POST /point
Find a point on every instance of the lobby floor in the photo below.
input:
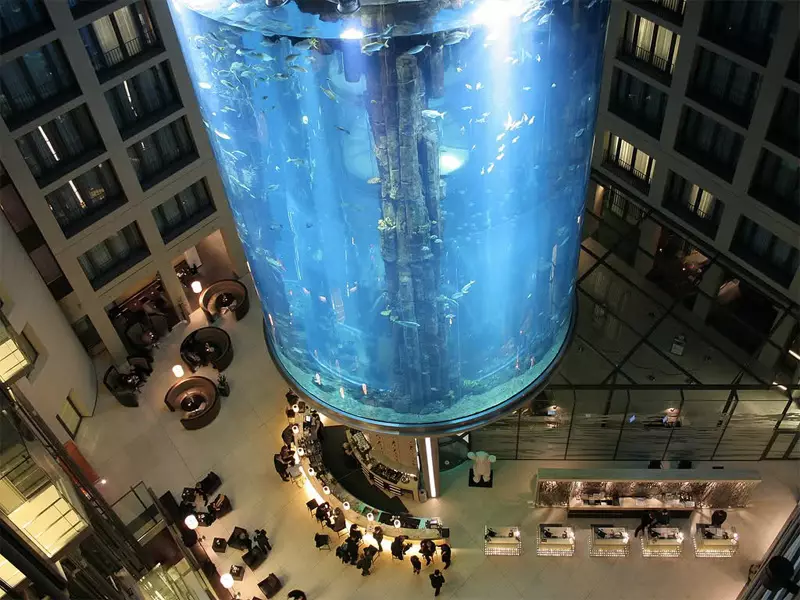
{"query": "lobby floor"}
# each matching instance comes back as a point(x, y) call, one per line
point(148, 443)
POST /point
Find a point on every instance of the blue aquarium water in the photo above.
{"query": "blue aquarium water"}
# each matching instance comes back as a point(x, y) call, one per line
point(408, 182)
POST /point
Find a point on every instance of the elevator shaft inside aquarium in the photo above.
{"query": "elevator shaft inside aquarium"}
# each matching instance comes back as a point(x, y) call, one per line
point(408, 183)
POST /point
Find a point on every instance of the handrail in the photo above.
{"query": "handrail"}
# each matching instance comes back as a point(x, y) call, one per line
point(122, 53)
point(628, 48)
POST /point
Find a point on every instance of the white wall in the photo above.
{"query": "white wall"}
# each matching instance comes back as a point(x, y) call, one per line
point(63, 367)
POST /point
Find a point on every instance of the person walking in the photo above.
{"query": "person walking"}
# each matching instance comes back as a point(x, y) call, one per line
point(364, 563)
point(647, 520)
point(416, 564)
point(377, 535)
point(437, 581)
point(427, 548)
point(263, 541)
point(445, 550)
point(397, 547)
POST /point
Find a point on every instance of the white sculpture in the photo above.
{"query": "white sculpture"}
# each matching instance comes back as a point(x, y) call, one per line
point(482, 465)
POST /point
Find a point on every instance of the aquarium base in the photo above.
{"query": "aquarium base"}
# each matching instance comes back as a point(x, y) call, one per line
point(481, 483)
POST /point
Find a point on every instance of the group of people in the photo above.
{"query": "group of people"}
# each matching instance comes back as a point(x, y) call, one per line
point(349, 552)
point(651, 519)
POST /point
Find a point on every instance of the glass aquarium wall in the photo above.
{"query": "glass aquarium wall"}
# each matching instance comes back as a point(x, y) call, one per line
point(408, 182)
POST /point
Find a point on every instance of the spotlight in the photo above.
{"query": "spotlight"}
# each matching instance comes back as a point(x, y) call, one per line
point(348, 7)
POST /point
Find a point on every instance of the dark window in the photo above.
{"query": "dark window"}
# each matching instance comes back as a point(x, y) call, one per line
point(86, 199)
point(784, 130)
point(746, 27)
point(637, 102)
point(60, 145)
point(724, 86)
point(630, 162)
point(183, 211)
point(648, 46)
point(13, 207)
point(162, 153)
point(113, 41)
point(21, 21)
point(693, 204)
point(765, 251)
point(143, 99)
point(708, 143)
point(87, 334)
point(113, 256)
point(776, 183)
point(34, 84)
point(793, 71)
point(82, 8)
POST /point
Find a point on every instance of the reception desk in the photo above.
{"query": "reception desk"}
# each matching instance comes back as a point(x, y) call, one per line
point(714, 542)
point(502, 541)
point(662, 542)
point(608, 540)
point(554, 539)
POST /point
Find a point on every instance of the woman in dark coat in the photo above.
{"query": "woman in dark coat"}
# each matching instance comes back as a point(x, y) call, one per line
point(416, 564)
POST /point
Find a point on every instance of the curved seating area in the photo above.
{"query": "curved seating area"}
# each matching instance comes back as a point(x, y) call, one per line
point(197, 398)
point(225, 294)
point(207, 346)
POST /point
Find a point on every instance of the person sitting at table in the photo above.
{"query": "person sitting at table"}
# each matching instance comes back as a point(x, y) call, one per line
point(321, 515)
point(287, 455)
point(338, 521)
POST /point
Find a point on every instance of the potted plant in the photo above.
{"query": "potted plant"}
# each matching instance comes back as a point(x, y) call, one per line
point(223, 386)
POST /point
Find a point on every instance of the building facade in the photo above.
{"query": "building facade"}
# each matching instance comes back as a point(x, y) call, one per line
point(108, 177)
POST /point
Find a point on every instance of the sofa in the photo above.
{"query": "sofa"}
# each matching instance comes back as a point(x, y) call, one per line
point(195, 349)
point(199, 389)
point(212, 299)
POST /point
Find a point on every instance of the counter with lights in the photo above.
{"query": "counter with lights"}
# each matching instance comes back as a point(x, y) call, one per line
point(715, 542)
point(631, 492)
point(502, 541)
point(555, 540)
point(609, 540)
point(387, 475)
point(661, 541)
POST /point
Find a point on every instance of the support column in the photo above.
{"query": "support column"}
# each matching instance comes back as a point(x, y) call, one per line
point(429, 461)
point(649, 234)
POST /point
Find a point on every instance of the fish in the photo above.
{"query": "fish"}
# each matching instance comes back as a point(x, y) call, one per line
point(468, 86)
point(501, 148)
point(222, 135)
point(466, 288)
point(526, 88)
point(371, 47)
point(323, 299)
point(500, 156)
point(300, 162)
point(457, 295)
point(478, 86)
point(374, 180)
point(289, 58)
point(433, 114)
point(204, 85)
point(455, 37)
point(280, 77)
point(450, 316)
point(531, 120)
point(463, 130)
point(273, 187)
point(554, 85)
point(409, 324)
point(538, 58)
point(490, 168)
point(385, 313)
point(500, 137)
point(437, 241)
point(425, 249)
point(579, 133)
point(298, 68)
point(329, 93)
point(342, 129)
point(515, 140)
point(227, 84)
point(227, 109)
point(459, 69)
point(466, 108)
point(307, 44)
point(417, 50)
point(275, 263)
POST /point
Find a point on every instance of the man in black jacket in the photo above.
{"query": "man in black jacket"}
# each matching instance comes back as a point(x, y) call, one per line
point(445, 549)
point(437, 581)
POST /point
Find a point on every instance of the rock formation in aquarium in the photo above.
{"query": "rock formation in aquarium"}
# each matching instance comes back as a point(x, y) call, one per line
point(408, 182)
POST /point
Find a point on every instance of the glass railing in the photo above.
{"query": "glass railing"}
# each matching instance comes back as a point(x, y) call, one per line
point(642, 55)
point(138, 511)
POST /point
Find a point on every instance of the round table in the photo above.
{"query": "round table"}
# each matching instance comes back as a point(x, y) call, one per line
point(191, 402)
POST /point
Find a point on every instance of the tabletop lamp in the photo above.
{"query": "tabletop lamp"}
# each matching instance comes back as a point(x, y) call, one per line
point(191, 522)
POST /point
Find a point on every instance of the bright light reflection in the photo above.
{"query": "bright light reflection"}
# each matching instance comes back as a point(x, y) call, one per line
point(495, 14)
point(449, 163)
point(351, 33)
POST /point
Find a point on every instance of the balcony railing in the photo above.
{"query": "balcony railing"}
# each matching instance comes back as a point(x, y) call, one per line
point(628, 172)
point(22, 106)
point(118, 59)
point(706, 223)
point(130, 126)
point(731, 104)
point(671, 10)
point(119, 267)
point(92, 214)
point(656, 66)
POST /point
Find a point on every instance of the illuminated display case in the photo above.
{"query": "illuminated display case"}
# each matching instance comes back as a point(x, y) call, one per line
point(554, 539)
point(408, 181)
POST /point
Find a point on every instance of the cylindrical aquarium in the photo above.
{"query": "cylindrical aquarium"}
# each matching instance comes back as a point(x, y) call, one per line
point(408, 181)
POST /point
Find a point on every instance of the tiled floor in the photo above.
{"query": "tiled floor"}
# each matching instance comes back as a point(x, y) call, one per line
point(128, 445)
